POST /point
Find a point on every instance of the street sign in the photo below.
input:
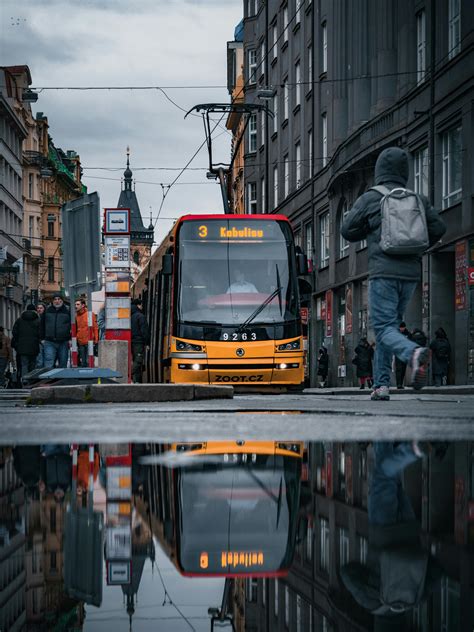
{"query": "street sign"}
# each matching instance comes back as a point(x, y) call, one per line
point(117, 252)
point(117, 221)
point(81, 244)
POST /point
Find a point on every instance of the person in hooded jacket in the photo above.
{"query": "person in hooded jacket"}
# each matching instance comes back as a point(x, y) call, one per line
point(392, 278)
point(26, 338)
point(323, 365)
point(5, 354)
point(363, 361)
point(441, 350)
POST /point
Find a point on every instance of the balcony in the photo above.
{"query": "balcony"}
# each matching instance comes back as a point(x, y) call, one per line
point(33, 157)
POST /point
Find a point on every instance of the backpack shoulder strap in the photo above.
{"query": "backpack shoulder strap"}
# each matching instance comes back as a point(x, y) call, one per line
point(383, 190)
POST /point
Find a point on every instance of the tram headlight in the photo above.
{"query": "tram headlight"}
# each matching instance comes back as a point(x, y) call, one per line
point(187, 346)
point(196, 367)
point(191, 367)
point(289, 346)
point(283, 365)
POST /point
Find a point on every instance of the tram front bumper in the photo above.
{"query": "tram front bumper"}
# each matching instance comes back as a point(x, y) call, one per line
point(288, 370)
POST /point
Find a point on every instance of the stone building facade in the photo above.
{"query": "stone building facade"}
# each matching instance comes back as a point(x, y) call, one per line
point(350, 79)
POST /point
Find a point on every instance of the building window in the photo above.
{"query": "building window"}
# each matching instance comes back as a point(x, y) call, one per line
point(299, 614)
point(298, 11)
point(30, 227)
point(298, 83)
point(252, 198)
point(50, 227)
point(421, 45)
point(324, 138)
point(324, 239)
point(262, 58)
point(275, 187)
point(50, 269)
point(343, 244)
point(420, 163)
point(52, 519)
point(298, 164)
point(454, 18)
point(310, 153)
point(262, 188)
point(309, 543)
point(252, 66)
point(285, 99)
point(253, 133)
point(324, 40)
point(30, 186)
point(287, 606)
point(275, 113)
point(452, 166)
point(308, 231)
point(276, 598)
point(251, 8)
point(343, 547)
point(363, 549)
point(53, 561)
point(286, 175)
point(310, 66)
point(274, 40)
point(263, 114)
point(285, 23)
point(324, 545)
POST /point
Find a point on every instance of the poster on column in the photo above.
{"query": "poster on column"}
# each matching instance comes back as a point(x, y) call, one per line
point(460, 300)
point(117, 252)
point(349, 308)
point(329, 314)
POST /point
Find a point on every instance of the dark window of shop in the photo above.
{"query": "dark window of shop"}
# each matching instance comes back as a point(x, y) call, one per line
point(52, 519)
point(50, 268)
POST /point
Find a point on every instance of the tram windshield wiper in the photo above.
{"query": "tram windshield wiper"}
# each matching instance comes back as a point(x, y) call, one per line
point(259, 309)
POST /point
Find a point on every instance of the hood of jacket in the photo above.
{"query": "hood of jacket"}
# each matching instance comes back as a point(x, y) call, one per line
point(392, 166)
point(29, 315)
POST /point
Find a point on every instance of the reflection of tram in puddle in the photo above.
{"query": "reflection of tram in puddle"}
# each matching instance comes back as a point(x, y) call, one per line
point(227, 508)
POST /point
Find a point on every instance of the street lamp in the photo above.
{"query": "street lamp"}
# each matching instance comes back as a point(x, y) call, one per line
point(29, 96)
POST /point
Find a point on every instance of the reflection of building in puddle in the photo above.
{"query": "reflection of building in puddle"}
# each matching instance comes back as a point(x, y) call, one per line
point(269, 412)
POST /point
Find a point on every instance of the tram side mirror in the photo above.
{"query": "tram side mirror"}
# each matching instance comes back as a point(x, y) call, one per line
point(167, 264)
point(301, 263)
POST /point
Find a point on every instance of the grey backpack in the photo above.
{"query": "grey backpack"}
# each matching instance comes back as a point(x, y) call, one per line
point(403, 229)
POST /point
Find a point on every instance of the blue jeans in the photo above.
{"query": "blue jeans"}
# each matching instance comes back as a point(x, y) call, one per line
point(82, 354)
point(56, 350)
point(388, 503)
point(40, 357)
point(388, 299)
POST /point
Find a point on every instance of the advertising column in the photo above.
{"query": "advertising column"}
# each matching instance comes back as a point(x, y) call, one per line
point(117, 277)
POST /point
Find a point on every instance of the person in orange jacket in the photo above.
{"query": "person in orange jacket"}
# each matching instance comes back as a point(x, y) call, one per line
point(83, 470)
point(82, 330)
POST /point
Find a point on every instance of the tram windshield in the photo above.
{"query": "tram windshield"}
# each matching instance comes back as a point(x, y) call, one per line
point(233, 272)
point(228, 508)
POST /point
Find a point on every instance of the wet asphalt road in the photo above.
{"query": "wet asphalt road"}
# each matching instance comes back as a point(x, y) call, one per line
point(308, 416)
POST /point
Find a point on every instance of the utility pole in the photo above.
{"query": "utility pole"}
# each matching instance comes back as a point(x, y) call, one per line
point(221, 171)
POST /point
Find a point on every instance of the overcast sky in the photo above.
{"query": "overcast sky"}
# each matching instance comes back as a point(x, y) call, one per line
point(128, 43)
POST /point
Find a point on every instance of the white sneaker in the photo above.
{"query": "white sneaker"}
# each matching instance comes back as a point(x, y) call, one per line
point(381, 393)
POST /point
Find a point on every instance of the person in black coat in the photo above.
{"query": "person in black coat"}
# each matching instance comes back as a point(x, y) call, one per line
point(323, 365)
point(418, 336)
point(57, 333)
point(56, 470)
point(140, 339)
point(26, 339)
point(363, 361)
point(441, 355)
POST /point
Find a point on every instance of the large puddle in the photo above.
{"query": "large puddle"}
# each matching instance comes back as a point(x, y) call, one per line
point(239, 535)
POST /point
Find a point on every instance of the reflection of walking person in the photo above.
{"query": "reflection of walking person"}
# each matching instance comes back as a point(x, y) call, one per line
point(441, 350)
point(323, 365)
point(140, 339)
point(392, 277)
point(399, 573)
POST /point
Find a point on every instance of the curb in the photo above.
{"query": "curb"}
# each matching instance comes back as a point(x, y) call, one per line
point(428, 390)
point(126, 393)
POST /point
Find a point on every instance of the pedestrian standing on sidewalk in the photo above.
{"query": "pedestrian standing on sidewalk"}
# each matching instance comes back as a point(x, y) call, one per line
point(323, 365)
point(392, 278)
point(400, 366)
point(441, 350)
point(40, 309)
point(5, 355)
point(140, 340)
point(363, 362)
point(57, 333)
point(418, 336)
point(26, 340)
point(82, 331)
point(101, 322)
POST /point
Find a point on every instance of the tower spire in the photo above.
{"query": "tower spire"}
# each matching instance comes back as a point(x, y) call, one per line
point(128, 173)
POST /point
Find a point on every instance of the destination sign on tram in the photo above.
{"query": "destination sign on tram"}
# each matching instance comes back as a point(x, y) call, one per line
point(231, 230)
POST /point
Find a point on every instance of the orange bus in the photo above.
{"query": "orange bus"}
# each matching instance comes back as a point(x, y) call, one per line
point(221, 297)
point(232, 507)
